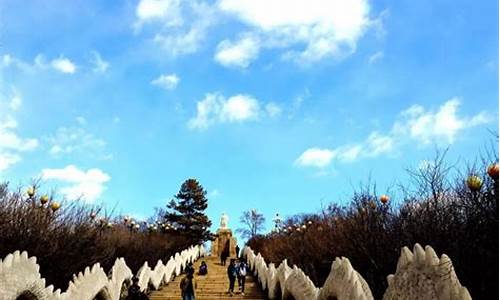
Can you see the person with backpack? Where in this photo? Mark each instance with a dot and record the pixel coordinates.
(232, 273)
(134, 291)
(242, 273)
(188, 287)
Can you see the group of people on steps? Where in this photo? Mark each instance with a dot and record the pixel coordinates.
(236, 270)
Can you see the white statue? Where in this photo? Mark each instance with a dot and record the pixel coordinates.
(223, 221)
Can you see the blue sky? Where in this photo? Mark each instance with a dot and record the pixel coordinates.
(275, 105)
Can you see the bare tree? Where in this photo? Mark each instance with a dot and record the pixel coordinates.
(253, 222)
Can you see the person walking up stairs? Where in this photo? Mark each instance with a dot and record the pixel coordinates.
(213, 286)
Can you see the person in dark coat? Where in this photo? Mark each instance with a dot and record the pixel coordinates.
(232, 273)
(134, 291)
(203, 268)
(237, 249)
(188, 287)
(223, 257)
(189, 268)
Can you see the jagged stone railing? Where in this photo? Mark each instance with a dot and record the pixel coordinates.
(19, 275)
(419, 275)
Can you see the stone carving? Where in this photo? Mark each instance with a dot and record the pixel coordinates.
(344, 282)
(419, 275)
(20, 275)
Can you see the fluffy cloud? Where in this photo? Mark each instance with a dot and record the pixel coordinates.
(415, 124)
(315, 157)
(168, 82)
(8, 159)
(239, 54)
(87, 185)
(11, 144)
(438, 126)
(303, 31)
(215, 108)
(321, 27)
(63, 65)
(151, 10)
(182, 25)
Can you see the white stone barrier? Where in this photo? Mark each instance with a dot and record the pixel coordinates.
(419, 275)
(20, 275)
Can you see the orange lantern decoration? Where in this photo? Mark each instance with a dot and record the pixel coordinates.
(474, 183)
(55, 206)
(384, 199)
(44, 199)
(31, 191)
(493, 171)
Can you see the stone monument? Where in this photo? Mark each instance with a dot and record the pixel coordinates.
(224, 239)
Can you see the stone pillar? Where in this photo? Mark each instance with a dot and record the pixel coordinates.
(224, 239)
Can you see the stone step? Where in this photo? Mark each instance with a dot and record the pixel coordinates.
(212, 286)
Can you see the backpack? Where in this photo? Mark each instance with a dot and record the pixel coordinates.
(243, 270)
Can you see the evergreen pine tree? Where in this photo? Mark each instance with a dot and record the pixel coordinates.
(186, 212)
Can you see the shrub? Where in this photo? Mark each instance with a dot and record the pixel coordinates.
(434, 210)
(67, 240)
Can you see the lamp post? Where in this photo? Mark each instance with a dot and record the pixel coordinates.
(277, 222)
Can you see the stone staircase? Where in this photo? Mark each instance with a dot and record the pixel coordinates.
(213, 286)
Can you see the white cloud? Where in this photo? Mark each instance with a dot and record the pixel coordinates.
(11, 144)
(322, 27)
(415, 123)
(215, 108)
(168, 82)
(349, 153)
(378, 144)
(440, 126)
(88, 185)
(273, 109)
(154, 10)
(375, 57)
(100, 65)
(183, 27)
(240, 108)
(8, 159)
(69, 140)
(239, 54)
(315, 157)
(63, 65)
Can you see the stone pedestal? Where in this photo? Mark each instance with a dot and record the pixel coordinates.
(224, 241)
